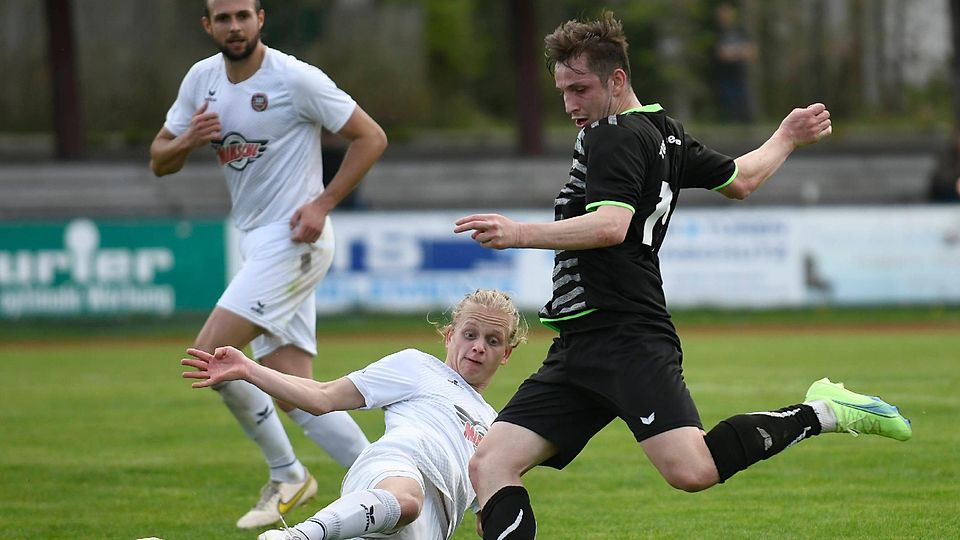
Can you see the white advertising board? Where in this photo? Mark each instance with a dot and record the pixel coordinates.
(732, 258)
(412, 261)
(754, 258)
(883, 255)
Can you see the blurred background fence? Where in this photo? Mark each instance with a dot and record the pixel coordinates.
(455, 64)
(475, 123)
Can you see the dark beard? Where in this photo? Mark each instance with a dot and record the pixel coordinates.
(244, 54)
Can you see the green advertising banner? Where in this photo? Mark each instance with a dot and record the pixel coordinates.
(110, 267)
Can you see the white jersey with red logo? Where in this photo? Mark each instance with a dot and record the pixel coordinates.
(432, 414)
(270, 146)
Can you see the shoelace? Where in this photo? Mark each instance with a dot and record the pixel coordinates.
(867, 423)
(846, 426)
(852, 431)
(286, 530)
(266, 494)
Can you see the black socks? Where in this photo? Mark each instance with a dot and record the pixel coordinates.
(744, 439)
(508, 511)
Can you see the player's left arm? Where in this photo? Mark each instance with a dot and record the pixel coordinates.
(800, 128)
(230, 364)
(604, 227)
(367, 143)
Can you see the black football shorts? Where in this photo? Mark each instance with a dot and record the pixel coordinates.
(591, 377)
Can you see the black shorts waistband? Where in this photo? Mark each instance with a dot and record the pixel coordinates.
(606, 319)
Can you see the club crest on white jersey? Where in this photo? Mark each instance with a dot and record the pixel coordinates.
(237, 152)
(473, 430)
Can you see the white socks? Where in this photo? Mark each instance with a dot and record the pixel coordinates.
(335, 432)
(825, 414)
(255, 412)
(352, 516)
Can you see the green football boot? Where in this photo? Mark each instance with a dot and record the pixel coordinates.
(857, 413)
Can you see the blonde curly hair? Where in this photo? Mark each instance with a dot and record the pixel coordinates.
(494, 300)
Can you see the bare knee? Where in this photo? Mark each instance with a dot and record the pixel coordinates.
(691, 479)
(410, 507)
(475, 469)
(482, 455)
(407, 492)
(503, 456)
(683, 459)
(484, 465)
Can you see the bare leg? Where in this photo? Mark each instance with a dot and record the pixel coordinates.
(505, 454)
(224, 328)
(683, 459)
(252, 408)
(692, 461)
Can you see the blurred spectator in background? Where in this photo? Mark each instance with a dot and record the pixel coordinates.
(944, 181)
(733, 54)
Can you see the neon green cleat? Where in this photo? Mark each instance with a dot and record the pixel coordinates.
(857, 413)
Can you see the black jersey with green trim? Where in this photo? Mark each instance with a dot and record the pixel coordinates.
(639, 159)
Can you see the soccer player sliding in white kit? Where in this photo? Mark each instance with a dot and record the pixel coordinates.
(413, 482)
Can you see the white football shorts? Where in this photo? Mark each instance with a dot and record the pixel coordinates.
(375, 464)
(275, 287)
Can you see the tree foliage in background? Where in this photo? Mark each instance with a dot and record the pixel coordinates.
(457, 55)
(425, 64)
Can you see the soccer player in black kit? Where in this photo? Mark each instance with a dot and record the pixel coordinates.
(618, 354)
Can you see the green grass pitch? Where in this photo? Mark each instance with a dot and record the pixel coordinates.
(101, 438)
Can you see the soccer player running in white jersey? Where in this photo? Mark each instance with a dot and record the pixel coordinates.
(262, 112)
(618, 354)
(413, 482)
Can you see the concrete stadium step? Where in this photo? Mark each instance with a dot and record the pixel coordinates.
(129, 189)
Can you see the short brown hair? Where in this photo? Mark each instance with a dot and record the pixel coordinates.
(206, 7)
(602, 41)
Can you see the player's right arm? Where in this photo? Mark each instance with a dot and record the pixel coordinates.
(229, 364)
(607, 226)
(169, 152)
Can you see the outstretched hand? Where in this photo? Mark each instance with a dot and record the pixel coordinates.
(808, 125)
(225, 364)
(490, 230)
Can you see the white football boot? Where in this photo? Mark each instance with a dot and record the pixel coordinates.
(276, 534)
(276, 499)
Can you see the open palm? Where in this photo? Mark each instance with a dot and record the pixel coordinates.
(225, 364)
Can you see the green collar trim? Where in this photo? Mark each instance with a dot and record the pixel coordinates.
(655, 107)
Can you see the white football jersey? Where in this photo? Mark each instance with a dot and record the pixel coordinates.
(270, 146)
(432, 414)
